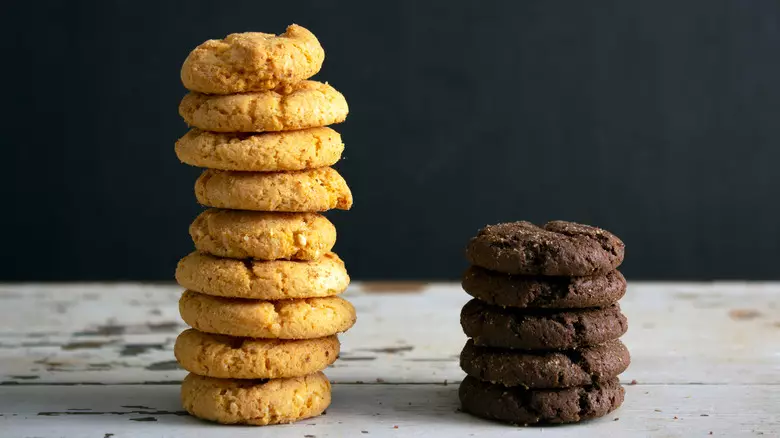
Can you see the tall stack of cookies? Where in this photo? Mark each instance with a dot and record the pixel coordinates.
(544, 323)
(262, 286)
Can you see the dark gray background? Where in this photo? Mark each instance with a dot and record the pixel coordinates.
(658, 120)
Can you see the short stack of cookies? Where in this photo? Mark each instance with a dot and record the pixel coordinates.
(262, 286)
(544, 323)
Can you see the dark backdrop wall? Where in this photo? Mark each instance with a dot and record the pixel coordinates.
(657, 120)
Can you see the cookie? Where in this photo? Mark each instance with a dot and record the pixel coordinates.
(265, 152)
(305, 318)
(262, 235)
(252, 61)
(255, 402)
(495, 326)
(305, 104)
(545, 369)
(523, 406)
(543, 292)
(229, 357)
(305, 190)
(559, 248)
(262, 280)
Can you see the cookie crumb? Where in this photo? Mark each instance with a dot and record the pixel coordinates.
(744, 314)
(395, 427)
(616, 419)
(675, 417)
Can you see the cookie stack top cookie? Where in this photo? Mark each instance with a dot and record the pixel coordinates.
(253, 61)
(559, 248)
(263, 282)
(544, 323)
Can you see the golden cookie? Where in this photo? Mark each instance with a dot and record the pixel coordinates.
(305, 318)
(304, 190)
(228, 357)
(305, 104)
(256, 402)
(264, 280)
(242, 234)
(252, 61)
(266, 152)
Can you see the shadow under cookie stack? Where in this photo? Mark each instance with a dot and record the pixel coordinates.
(262, 286)
(544, 323)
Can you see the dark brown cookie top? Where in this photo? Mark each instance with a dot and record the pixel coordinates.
(495, 326)
(545, 369)
(523, 406)
(558, 248)
(539, 292)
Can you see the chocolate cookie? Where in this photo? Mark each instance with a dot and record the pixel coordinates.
(543, 292)
(545, 369)
(558, 248)
(494, 326)
(524, 407)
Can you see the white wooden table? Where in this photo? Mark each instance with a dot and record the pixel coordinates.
(96, 360)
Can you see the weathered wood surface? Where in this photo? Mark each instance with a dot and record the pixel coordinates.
(697, 349)
(417, 410)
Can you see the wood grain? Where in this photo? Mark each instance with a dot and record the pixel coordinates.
(101, 347)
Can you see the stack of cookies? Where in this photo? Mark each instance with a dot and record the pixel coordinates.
(262, 286)
(544, 323)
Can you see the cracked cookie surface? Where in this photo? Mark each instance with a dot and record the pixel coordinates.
(255, 402)
(252, 61)
(523, 406)
(539, 292)
(264, 152)
(243, 234)
(229, 357)
(558, 248)
(311, 190)
(263, 280)
(304, 318)
(305, 104)
(495, 326)
(545, 369)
